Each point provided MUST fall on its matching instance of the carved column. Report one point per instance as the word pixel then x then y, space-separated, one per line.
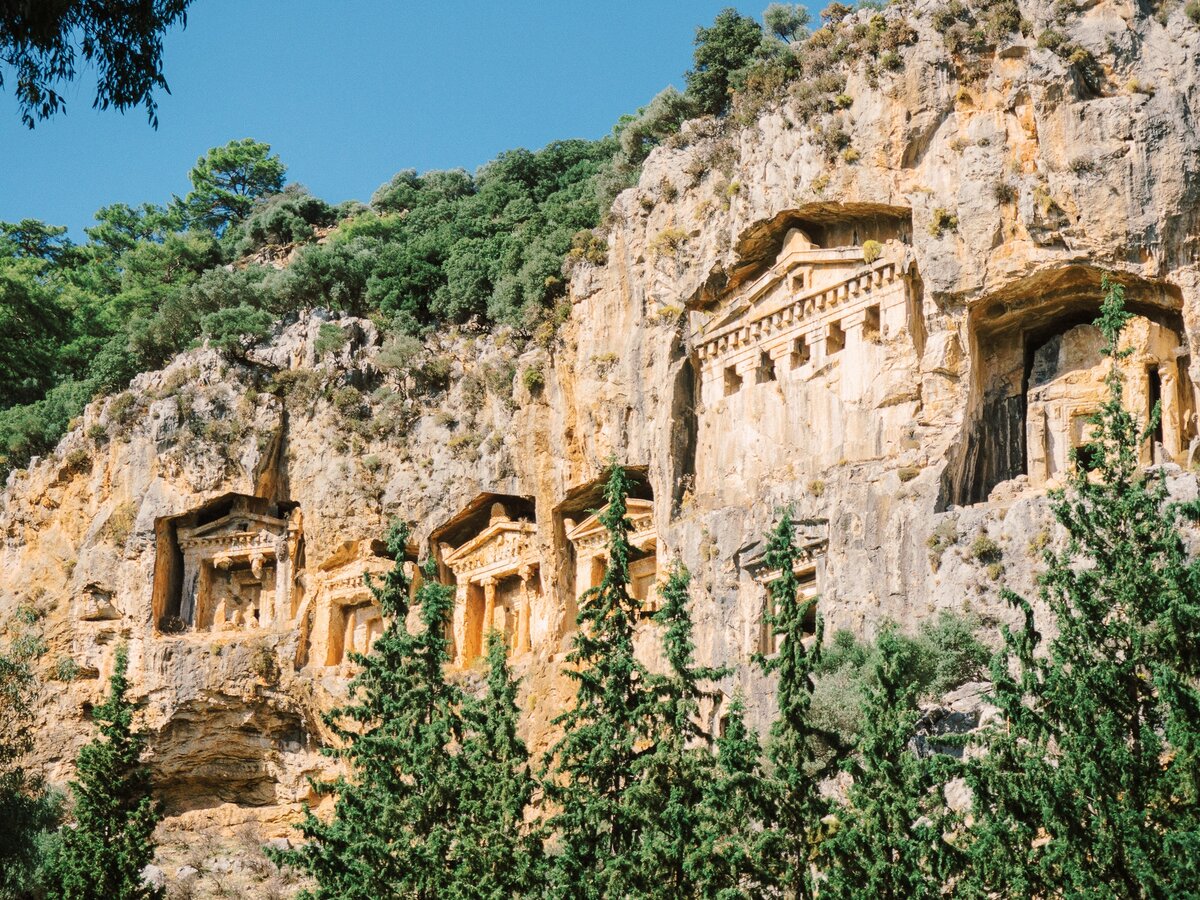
pixel 489 607
pixel 460 623
pixel 1168 396
pixel 522 638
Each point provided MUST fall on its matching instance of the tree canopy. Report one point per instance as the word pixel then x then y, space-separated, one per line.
pixel 43 44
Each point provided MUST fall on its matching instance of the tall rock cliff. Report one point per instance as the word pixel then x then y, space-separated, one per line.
pixel 877 316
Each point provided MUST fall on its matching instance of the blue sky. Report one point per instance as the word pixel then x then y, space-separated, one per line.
pixel 350 91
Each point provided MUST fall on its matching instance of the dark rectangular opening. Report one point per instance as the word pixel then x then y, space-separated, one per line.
pixel 835 339
pixel 766 369
pixel 871 328
pixel 733 381
pixel 801 353
pixel 1154 398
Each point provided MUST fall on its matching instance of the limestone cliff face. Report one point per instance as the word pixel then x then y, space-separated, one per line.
pixel 893 342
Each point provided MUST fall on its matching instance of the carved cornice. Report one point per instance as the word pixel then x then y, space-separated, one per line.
pixel 502 549
pixel 807 308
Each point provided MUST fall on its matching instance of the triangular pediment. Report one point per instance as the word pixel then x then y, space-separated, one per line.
pixel 239 523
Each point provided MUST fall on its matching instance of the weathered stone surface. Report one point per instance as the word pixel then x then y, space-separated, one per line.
pixel 898 431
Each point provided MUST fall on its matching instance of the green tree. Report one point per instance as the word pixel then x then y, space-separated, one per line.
pixel 393 829
pixel 1090 786
pixel 605 731
pixel 27 810
pixel 787 21
pixel 228 180
pixel 234 330
pixel 41 44
pixel 794 749
pixel 499 856
pixel 668 795
pixel 33 327
pixel 102 856
pixel 727 857
pixel 723 51
pixel 120 227
pixel 889 840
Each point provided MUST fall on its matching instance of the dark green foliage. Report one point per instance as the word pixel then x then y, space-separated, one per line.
pixel 26 431
pixel 41 44
pixel 727 859
pixel 448 246
pixel 794 828
pixel 499 856
pixel 102 856
pixel 33 325
pixel 605 731
pixel 236 329
pixel 1090 783
pixel 888 842
pixel 434 802
pixel 284 218
pixel 671 778
pixel 392 832
pixel 227 181
pixel 723 51
pixel 27 810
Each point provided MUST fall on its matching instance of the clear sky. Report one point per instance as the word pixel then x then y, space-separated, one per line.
pixel 350 91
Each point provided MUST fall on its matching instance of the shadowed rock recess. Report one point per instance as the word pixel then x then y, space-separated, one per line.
pixel 896 342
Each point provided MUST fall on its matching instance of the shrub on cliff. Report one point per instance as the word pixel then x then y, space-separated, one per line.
pixel 102 854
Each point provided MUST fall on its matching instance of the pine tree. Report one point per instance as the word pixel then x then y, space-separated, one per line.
pixel 392 831
pixel 1091 783
pixel 727 856
pixel 500 857
pixel 102 856
pixel 605 732
pixel 889 842
pixel 670 779
pixel 795 827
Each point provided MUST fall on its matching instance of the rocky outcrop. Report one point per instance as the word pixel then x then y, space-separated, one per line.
pixel 854 337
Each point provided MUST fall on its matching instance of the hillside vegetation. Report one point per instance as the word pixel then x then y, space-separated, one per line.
pixel 80 319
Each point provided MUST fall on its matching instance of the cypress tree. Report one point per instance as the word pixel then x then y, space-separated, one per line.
pixel 1090 784
pixel 499 857
pixel 102 856
pixel 795 826
pixel 727 857
pixel 605 731
pixel 669 791
pixel 392 831
pixel 889 842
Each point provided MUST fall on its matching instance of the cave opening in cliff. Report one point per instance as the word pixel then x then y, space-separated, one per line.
pixel 227 565
pixel 1038 378
pixel 489 552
